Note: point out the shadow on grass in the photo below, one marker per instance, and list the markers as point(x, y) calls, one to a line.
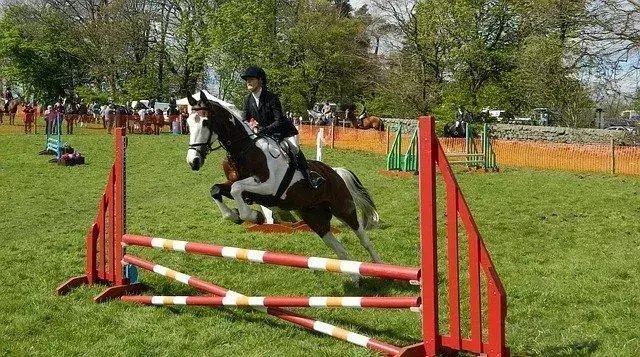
point(244, 316)
point(368, 287)
point(380, 287)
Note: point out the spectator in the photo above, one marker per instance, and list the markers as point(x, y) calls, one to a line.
point(48, 120)
point(29, 114)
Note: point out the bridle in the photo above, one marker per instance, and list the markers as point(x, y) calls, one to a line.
point(204, 148)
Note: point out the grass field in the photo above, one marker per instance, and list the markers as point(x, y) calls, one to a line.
point(566, 246)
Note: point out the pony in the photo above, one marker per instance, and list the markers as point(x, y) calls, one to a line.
point(74, 110)
point(264, 176)
point(316, 118)
point(12, 109)
point(455, 129)
point(114, 114)
point(364, 121)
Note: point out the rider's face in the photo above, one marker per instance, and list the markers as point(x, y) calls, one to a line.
point(253, 84)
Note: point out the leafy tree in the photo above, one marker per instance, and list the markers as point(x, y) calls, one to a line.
point(40, 50)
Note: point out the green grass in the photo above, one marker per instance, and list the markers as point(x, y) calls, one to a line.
point(566, 246)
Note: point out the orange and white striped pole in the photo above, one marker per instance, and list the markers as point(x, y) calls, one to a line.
point(292, 260)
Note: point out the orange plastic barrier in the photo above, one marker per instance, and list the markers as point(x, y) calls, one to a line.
point(531, 154)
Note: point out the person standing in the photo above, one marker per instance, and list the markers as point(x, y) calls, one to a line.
point(29, 114)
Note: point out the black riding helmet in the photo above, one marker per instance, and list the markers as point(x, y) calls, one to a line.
point(255, 72)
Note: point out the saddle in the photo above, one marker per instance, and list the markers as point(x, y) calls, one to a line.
point(290, 151)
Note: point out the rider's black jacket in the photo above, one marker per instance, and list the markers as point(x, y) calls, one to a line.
point(269, 115)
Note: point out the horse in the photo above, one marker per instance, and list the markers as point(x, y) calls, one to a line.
point(455, 129)
point(12, 109)
point(264, 176)
point(114, 114)
point(74, 110)
point(364, 121)
point(317, 118)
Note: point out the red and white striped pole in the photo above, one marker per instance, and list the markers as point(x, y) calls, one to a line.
point(280, 301)
point(283, 314)
point(292, 260)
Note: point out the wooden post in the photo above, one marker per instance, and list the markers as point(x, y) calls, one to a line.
point(613, 157)
point(333, 136)
point(388, 139)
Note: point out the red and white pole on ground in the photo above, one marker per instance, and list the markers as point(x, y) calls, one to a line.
point(292, 260)
point(283, 314)
point(280, 301)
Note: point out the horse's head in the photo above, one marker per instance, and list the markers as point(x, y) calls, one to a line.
point(210, 121)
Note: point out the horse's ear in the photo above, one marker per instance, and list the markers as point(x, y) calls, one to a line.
point(203, 98)
point(192, 101)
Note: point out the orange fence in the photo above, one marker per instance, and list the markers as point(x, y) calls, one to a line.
point(532, 154)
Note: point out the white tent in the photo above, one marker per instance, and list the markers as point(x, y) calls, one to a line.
point(232, 108)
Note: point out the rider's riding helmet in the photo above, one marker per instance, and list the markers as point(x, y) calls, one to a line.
point(255, 72)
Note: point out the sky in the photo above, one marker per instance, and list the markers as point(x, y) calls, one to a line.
point(356, 4)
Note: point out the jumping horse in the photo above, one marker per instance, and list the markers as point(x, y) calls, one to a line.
point(265, 177)
point(364, 121)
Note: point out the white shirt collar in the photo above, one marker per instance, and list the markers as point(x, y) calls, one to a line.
point(256, 96)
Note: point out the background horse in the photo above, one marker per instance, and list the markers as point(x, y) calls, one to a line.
point(262, 166)
point(316, 118)
point(117, 115)
point(455, 129)
point(364, 121)
point(74, 110)
point(12, 108)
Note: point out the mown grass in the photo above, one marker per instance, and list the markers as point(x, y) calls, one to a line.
point(566, 246)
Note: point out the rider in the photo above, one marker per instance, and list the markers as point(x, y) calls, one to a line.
point(362, 115)
point(327, 113)
point(8, 97)
point(264, 108)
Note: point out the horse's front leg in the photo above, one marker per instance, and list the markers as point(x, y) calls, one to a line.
point(224, 189)
point(252, 185)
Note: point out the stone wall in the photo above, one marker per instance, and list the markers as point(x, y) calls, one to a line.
point(550, 134)
point(561, 135)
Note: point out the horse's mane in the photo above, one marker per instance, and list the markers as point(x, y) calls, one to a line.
point(230, 108)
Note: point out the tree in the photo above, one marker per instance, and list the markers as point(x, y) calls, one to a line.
point(40, 50)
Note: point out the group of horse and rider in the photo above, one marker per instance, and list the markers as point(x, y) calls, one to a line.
point(265, 166)
point(329, 114)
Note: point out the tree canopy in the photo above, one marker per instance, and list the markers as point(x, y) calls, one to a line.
point(400, 58)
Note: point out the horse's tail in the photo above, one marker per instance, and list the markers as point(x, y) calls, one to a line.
point(369, 217)
point(381, 125)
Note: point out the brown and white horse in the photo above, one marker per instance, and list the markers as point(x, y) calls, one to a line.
point(12, 108)
point(261, 165)
point(364, 121)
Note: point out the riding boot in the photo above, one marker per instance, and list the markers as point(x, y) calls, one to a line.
point(313, 178)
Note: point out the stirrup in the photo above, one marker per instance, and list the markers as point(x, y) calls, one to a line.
point(315, 179)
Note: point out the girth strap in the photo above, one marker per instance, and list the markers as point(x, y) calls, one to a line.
point(286, 180)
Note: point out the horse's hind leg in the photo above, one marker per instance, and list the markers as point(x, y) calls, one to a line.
point(349, 216)
point(319, 220)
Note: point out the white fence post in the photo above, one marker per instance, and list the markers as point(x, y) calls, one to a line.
point(320, 144)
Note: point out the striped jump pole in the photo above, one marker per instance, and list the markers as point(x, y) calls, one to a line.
point(300, 320)
point(291, 260)
point(280, 301)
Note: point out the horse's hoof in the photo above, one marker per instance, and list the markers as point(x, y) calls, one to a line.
point(236, 217)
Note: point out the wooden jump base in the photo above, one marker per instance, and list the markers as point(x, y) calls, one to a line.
point(107, 239)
